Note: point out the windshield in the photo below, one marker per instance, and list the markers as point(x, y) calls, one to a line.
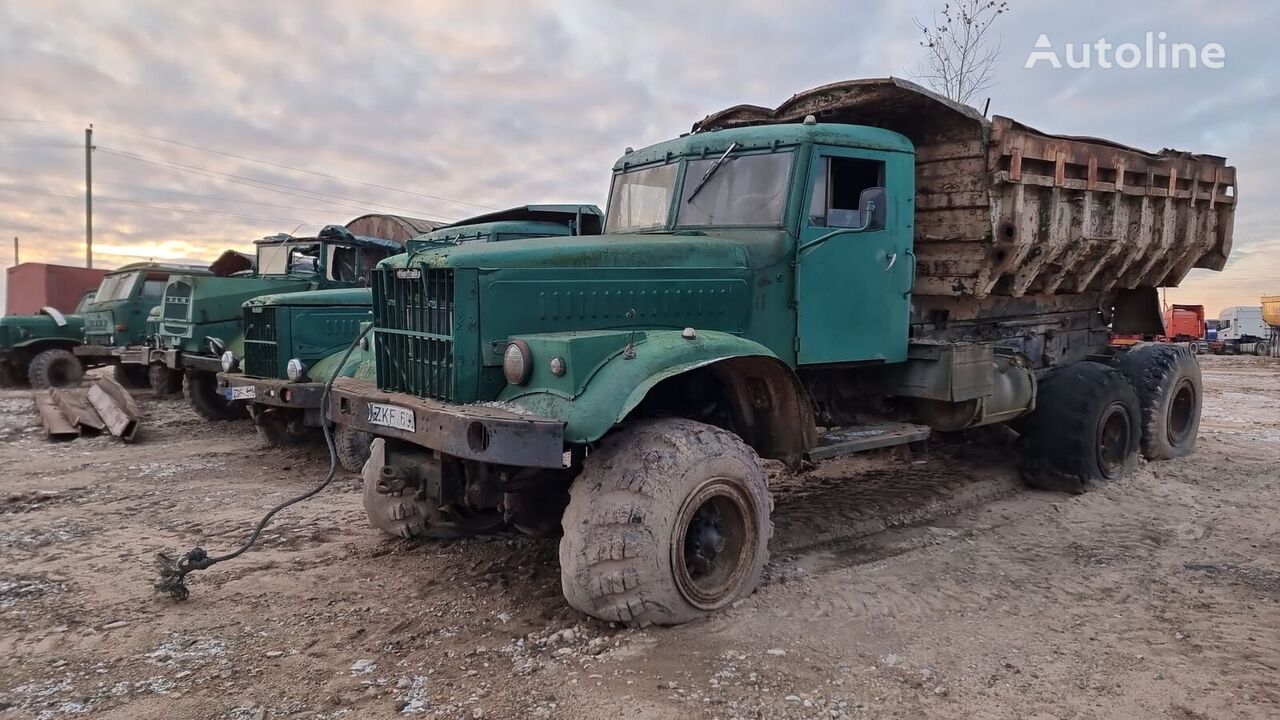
point(289, 258)
point(116, 287)
point(742, 190)
point(84, 302)
point(641, 199)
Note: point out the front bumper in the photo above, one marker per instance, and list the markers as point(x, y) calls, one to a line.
point(270, 391)
point(95, 353)
point(138, 355)
point(471, 432)
point(178, 360)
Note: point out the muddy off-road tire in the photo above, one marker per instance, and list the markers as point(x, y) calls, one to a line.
point(407, 513)
point(55, 368)
point(273, 429)
point(1170, 396)
point(132, 376)
point(668, 521)
point(10, 376)
point(163, 380)
point(201, 391)
point(1085, 430)
point(352, 447)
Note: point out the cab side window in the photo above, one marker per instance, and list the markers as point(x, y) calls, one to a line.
point(838, 183)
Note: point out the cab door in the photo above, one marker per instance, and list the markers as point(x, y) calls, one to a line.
point(853, 287)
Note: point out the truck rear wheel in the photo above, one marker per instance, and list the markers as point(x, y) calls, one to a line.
point(163, 380)
point(132, 376)
point(273, 428)
point(55, 368)
point(201, 391)
point(668, 522)
point(1085, 429)
point(1170, 395)
point(352, 447)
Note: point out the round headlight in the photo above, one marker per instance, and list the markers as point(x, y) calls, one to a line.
point(517, 362)
point(295, 370)
point(228, 361)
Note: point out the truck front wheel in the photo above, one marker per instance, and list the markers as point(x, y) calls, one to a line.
point(55, 368)
point(1084, 431)
point(163, 380)
point(1170, 395)
point(201, 391)
point(668, 522)
point(132, 376)
point(352, 447)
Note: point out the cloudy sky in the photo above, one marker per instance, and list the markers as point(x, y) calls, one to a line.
point(443, 109)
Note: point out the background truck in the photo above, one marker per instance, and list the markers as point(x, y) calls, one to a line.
point(118, 315)
point(49, 349)
point(1242, 331)
point(859, 267)
point(1271, 316)
point(201, 324)
point(1184, 323)
point(293, 341)
point(31, 287)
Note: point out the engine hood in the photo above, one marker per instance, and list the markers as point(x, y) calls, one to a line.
point(745, 249)
point(362, 297)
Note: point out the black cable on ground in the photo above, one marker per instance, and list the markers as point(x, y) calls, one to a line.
point(173, 571)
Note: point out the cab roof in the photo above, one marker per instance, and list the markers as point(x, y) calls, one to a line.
point(333, 233)
point(161, 266)
point(709, 143)
point(525, 218)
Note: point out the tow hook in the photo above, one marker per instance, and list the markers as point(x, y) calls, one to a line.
point(391, 480)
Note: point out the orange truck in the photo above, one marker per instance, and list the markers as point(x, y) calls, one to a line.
point(1184, 323)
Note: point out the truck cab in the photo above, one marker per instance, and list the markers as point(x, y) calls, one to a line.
point(295, 341)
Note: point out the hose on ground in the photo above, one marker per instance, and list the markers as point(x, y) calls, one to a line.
point(174, 570)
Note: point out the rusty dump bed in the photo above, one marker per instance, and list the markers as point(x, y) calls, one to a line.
point(1005, 210)
point(1271, 310)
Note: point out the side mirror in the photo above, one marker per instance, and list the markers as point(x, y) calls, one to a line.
point(873, 205)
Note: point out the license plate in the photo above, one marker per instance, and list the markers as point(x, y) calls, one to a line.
point(241, 392)
point(392, 416)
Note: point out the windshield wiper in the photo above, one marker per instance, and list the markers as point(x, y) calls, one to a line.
point(711, 171)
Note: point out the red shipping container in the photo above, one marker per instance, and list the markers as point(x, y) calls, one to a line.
point(31, 286)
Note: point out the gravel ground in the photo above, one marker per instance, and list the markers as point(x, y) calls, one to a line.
point(899, 588)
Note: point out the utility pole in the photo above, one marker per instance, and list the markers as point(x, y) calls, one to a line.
point(88, 196)
point(16, 261)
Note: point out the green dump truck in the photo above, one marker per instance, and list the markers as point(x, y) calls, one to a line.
point(293, 341)
point(864, 265)
point(201, 320)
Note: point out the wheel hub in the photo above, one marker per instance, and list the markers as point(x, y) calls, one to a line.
point(1114, 439)
point(713, 544)
point(1181, 413)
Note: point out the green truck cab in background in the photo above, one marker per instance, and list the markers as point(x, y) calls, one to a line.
point(293, 341)
point(201, 318)
point(46, 336)
point(771, 285)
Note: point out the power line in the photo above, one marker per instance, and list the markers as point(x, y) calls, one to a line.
point(304, 170)
point(361, 205)
point(221, 198)
point(157, 206)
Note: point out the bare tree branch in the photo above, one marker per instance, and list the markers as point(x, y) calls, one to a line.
point(960, 59)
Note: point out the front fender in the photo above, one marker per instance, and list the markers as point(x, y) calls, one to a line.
point(615, 386)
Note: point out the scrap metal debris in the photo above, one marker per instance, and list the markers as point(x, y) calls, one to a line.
point(68, 413)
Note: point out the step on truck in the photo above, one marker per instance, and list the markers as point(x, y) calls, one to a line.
point(293, 341)
point(53, 349)
point(864, 265)
point(201, 323)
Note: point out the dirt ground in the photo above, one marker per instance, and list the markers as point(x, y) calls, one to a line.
point(898, 588)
